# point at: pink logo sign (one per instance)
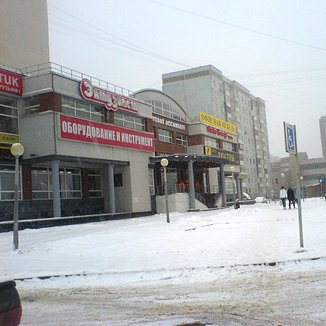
(111, 101)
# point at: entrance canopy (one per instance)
(181, 160)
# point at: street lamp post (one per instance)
(301, 188)
(17, 150)
(165, 163)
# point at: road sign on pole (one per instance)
(290, 138)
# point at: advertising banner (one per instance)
(94, 132)
(210, 120)
(10, 82)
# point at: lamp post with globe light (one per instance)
(164, 164)
(17, 150)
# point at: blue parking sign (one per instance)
(290, 138)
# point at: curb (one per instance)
(268, 264)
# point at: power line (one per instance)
(122, 42)
(238, 26)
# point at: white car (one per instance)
(245, 196)
(262, 200)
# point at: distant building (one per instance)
(322, 126)
(205, 89)
(312, 174)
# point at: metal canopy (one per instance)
(179, 160)
(72, 159)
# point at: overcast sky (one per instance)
(275, 48)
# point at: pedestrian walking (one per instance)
(283, 196)
(291, 197)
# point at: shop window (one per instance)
(95, 183)
(129, 121)
(70, 183)
(41, 183)
(118, 180)
(151, 182)
(82, 109)
(7, 182)
(165, 135)
(8, 115)
(182, 139)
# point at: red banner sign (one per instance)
(219, 133)
(100, 133)
(11, 83)
(111, 101)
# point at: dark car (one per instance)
(10, 305)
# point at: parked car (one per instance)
(262, 200)
(245, 196)
(10, 305)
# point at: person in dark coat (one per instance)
(10, 305)
(291, 197)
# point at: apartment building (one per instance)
(206, 89)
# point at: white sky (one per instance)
(275, 48)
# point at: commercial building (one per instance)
(92, 147)
(205, 89)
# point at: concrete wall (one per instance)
(24, 37)
(177, 203)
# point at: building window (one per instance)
(129, 121)
(7, 182)
(8, 115)
(165, 109)
(41, 183)
(70, 183)
(227, 146)
(151, 182)
(95, 183)
(181, 139)
(82, 109)
(32, 105)
(210, 142)
(165, 136)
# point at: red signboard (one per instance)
(10, 82)
(110, 100)
(100, 133)
(219, 133)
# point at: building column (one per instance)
(111, 188)
(222, 185)
(192, 203)
(56, 188)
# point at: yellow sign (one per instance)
(208, 150)
(7, 138)
(217, 123)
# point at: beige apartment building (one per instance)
(206, 89)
